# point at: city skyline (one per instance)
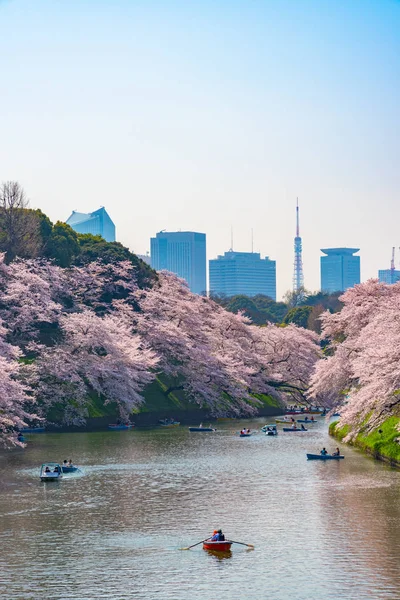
(203, 118)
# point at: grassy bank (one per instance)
(382, 443)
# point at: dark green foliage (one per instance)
(275, 311)
(94, 247)
(62, 245)
(298, 315)
(329, 302)
(260, 309)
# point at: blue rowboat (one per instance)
(245, 434)
(202, 429)
(306, 421)
(32, 430)
(116, 427)
(324, 457)
(71, 469)
(287, 429)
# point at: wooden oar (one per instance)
(242, 543)
(193, 545)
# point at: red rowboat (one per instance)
(217, 546)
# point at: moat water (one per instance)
(321, 530)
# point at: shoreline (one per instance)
(380, 444)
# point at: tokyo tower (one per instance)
(298, 277)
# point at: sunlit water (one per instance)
(321, 530)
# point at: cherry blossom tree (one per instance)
(216, 357)
(14, 398)
(361, 374)
(97, 354)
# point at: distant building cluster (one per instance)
(233, 273)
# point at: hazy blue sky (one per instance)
(204, 114)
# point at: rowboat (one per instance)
(50, 472)
(69, 469)
(217, 546)
(202, 429)
(294, 430)
(284, 421)
(245, 434)
(32, 430)
(271, 432)
(117, 427)
(324, 457)
(305, 421)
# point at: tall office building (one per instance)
(96, 223)
(183, 253)
(243, 273)
(339, 269)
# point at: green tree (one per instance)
(62, 244)
(298, 315)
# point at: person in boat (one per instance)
(306, 418)
(336, 453)
(47, 470)
(312, 418)
(65, 463)
(324, 452)
(215, 536)
(294, 426)
(70, 464)
(248, 431)
(221, 537)
(303, 428)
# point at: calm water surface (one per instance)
(321, 530)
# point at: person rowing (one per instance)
(336, 453)
(217, 536)
(324, 452)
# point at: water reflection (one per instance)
(219, 555)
